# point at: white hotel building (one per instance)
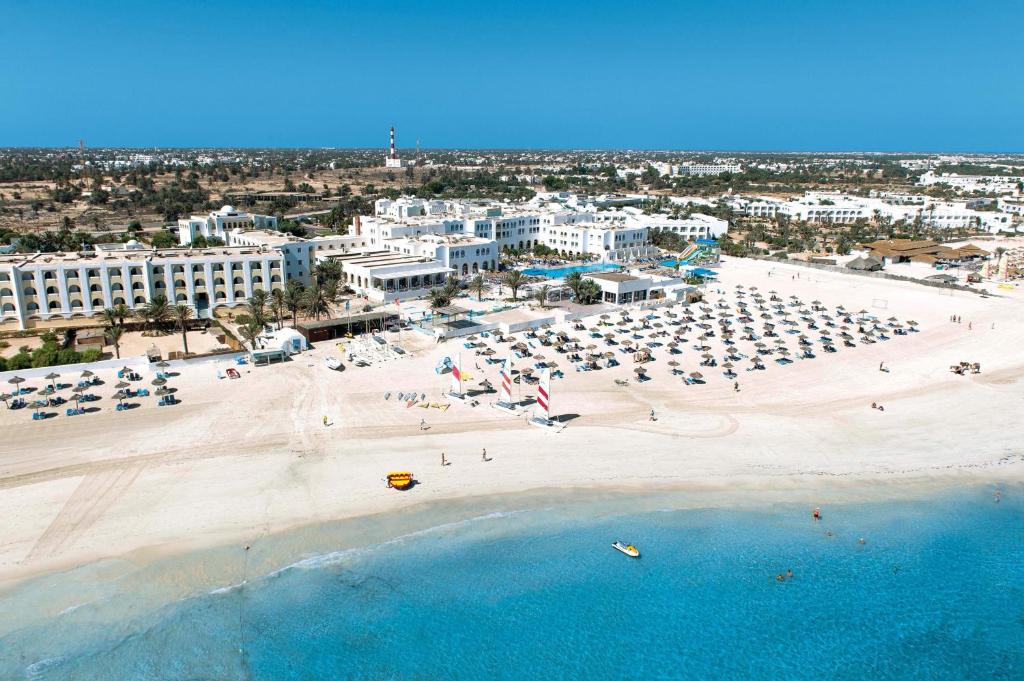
(220, 223)
(63, 286)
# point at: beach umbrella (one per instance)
(591, 346)
(607, 355)
(673, 363)
(728, 365)
(162, 391)
(697, 375)
(39, 404)
(120, 396)
(121, 385)
(16, 381)
(87, 374)
(604, 316)
(159, 381)
(163, 364)
(52, 378)
(640, 370)
(911, 323)
(4, 397)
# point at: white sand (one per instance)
(240, 459)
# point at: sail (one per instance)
(457, 375)
(543, 408)
(505, 396)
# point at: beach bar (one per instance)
(329, 329)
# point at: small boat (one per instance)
(627, 549)
(332, 363)
(400, 480)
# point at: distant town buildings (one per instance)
(220, 224)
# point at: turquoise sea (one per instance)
(935, 592)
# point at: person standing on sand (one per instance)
(325, 421)
(736, 386)
(483, 455)
(423, 424)
(444, 462)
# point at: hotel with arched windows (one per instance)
(66, 286)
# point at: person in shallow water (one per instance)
(816, 514)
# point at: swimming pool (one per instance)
(562, 272)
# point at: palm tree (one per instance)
(293, 296)
(542, 295)
(250, 332)
(477, 286)
(257, 307)
(328, 271)
(115, 332)
(315, 302)
(114, 316)
(574, 280)
(277, 305)
(183, 313)
(155, 312)
(514, 279)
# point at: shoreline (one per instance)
(287, 546)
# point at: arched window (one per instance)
(8, 307)
(97, 302)
(119, 301)
(179, 283)
(180, 298)
(160, 284)
(76, 304)
(116, 287)
(51, 290)
(237, 280)
(32, 307)
(30, 291)
(95, 288)
(138, 286)
(74, 288)
(6, 292)
(140, 300)
(218, 281)
(53, 306)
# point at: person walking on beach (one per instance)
(444, 461)
(325, 421)
(652, 416)
(736, 386)
(423, 424)
(483, 455)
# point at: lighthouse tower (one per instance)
(392, 160)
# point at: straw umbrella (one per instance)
(696, 375)
(673, 364)
(4, 397)
(52, 378)
(39, 404)
(159, 382)
(87, 374)
(16, 381)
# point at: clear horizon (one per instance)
(750, 77)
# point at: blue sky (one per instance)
(746, 75)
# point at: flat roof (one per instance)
(346, 319)
(612, 276)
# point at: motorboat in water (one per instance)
(627, 549)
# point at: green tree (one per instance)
(514, 279)
(293, 299)
(256, 307)
(183, 313)
(277, 305)
(115, 332)
(163, 240)
(156, 312)
(316, 303)
(541, 295)
(477, 286)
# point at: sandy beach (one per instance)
(241, 459)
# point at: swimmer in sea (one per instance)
(789, 574)
(861, 540)
(816, 514)
(779, 578)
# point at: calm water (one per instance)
(937, 592)
(562, 272)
